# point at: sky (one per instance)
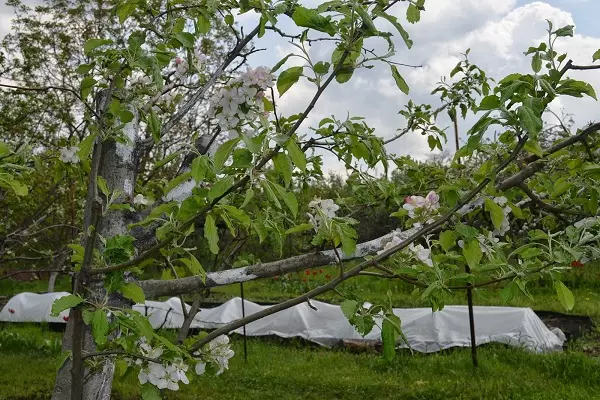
(496, 31)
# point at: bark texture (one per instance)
(118, 168)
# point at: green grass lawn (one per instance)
(294, 370)
(281, 370)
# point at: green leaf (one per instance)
(150, 392)
(309, 18)
(85, 146)
(220, 188)
(348, 307)
(283, 165)
(211, 234)
(195, 267)
(223, 152)
(496, 212)
(92, 44)
(564, 295)
(564, 31)
(531, 122)
(490, 102)
(299, 228)
(229, 19)
(344, 74)
(389, 333)
(249, 195)
(167, 159)
(133, 292)
(199, 168)
(65, 302)
(100, 327)
(297, 156)
(596, 55)
(400, 82)
(288, 78)
(366, 19)
(288, 198)
(280, 63)
(394, 21)
(413, 14)
(534, 147)
(154, 125)
(447, 240)
(143, 325)
(178, 180)
(322, 67)
(86, 86)
(185, 38)
(536, 63)
(103, 186)
(270, 193)
(472, 253)
(572, 87)
(202, 24)
(561, 185)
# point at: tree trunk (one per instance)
(58, 263)
(118, 168)
(52, 281)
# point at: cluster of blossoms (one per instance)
(199, 59)
(163, 376)
(168, 374)
(327, 207)
(69, 154)
(181, 67)
(419, 206)
(241, 100)
(218, 351)
(141, 80)
(421, 253)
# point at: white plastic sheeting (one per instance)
(425, 330)
(32, 307)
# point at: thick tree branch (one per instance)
(427, 229)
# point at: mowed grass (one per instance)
(282, 370)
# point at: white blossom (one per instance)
(421, 253)
(327, 207)
(69, 154)
(217, 351)
(139, 199)
(199, 58)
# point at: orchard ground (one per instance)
(293, 369)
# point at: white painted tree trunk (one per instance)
(118, 168)
(52, 281)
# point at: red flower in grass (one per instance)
(275, 278)
(314, 273)
(307, 272)
(10, 310)
(328, 277)
(304, 280)
(66, 318)
(577, 264)
(320, 271)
